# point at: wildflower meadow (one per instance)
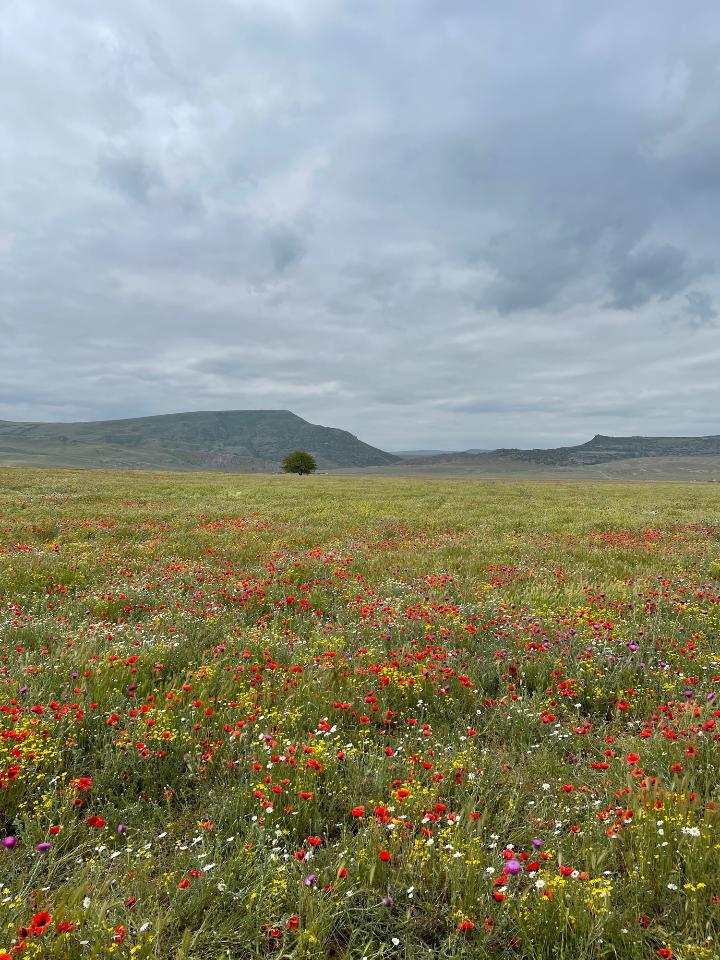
(341, 718)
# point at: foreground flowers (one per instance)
(473, 731)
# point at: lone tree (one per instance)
(300, 461)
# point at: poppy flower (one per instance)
(358, 811)
(95, 821)
(466, 925)
(385, 856)
(40, 923)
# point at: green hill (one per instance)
(599, 450)
(232, 440)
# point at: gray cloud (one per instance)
(651, 272)
(131, 176)
(435, 225)
(700, 309)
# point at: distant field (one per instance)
(347, 717)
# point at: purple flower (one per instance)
(121, 828)
(310, 880)
(24, 689)
(43, 847)
(513, 867)
(9, 842)
(537, 843)
(388, 901)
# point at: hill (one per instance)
(602, 458)
(232, 440)
(600, 449)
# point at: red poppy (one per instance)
(95, 821)
(81, 783)
(40, 923)
(385, 856)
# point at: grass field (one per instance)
(346, 718)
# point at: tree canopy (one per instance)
(299, 461)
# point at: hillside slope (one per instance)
(234, 440)
(600, 449)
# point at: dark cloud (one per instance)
(700, 309)
(439, 225)
(131, 176)
(287, 248)
(650, 272)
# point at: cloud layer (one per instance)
(443, 225)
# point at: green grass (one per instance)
(237, 664)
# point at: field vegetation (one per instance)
(328, 717)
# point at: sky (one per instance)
(467, 223)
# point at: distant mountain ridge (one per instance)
(601, 449)
(232, 440)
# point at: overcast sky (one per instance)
(446, 224)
